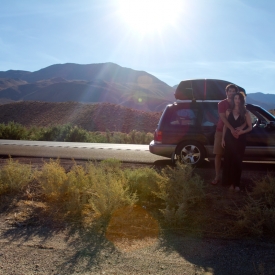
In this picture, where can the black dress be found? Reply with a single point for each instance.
(233, 153)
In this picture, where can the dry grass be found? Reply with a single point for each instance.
(172, 199)
(144, 182)
(257, 216)
(182, 191)
(14, 177)
(99, 188)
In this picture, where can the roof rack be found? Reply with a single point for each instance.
(196, 100)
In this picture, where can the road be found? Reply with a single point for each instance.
(78, 150)
(99, 151)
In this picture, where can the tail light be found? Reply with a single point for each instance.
(158, 136)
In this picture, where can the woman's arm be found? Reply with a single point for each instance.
(249, 124)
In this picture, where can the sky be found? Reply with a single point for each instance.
(174, 40)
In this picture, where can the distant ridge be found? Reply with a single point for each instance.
(16, 74)
(266, 101)
(104, 82)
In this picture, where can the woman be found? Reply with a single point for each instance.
(235, 147)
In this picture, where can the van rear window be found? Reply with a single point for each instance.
(181, 117)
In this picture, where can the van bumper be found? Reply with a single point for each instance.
(164, 150)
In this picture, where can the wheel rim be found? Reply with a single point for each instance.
(190, 154)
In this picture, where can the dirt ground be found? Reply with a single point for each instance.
(30, 247)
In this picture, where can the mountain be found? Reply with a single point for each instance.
(267, 101)
(9, 82)
(91, 83)
(5, 101)
(92, 117)
(106, 82)
(14, 74)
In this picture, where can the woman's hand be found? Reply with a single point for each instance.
(241, 132)
(223, 143)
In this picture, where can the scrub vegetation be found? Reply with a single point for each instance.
(70, 133)
(175, 196)
(257, 217)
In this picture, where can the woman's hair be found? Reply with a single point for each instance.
(242, 104)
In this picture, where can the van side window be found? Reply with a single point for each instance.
(184, 117)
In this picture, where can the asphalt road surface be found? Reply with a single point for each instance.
(79, 150)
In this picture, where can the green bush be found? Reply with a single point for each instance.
(14, 176)
(13, 131)
(110, 190)
(70, 133)
(67, 133)
(183, 193)
(257, 216)
(99, 187)
(79, 190)
(144, 182)
(76, 134)
(54, 181)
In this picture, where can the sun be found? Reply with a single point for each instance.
(147, 16)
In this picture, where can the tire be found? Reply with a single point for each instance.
(191, 153)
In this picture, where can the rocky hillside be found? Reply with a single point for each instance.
(92, 117)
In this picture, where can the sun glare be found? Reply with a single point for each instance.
(146, 16)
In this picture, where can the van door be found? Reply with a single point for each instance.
(260, 142)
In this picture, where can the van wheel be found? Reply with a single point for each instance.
(191, 153)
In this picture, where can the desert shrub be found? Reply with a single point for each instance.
(139, 137)
(70, 191)
(66, 132)
(109, 188)
(14, 176)
(13, 130)
(53, 180)
(132, 136)
(70, 133)
(126, 139)
(35, 133)
(183, 193)
(100, 188)
(79, 190)
(148, 138)
(144, 182)
(55, 133)
(257, 216)
(111, 164)
(98, 137)
(77, 134)
(118, 137)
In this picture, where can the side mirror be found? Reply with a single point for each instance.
(262, 124)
